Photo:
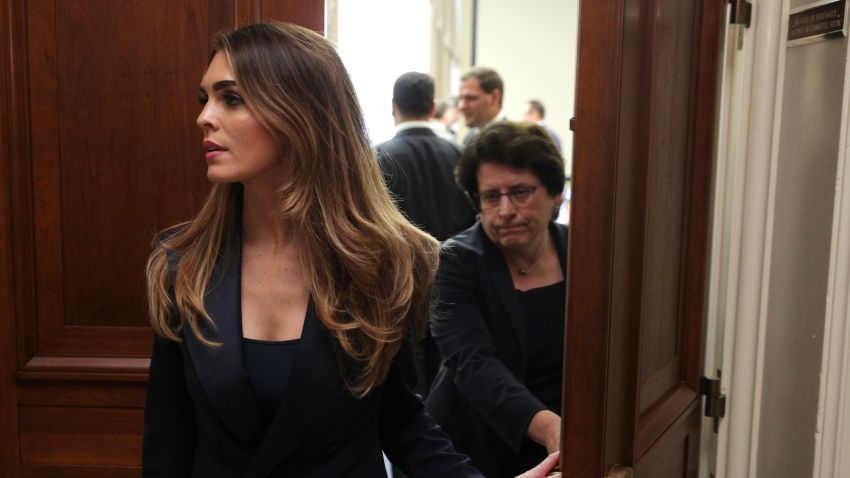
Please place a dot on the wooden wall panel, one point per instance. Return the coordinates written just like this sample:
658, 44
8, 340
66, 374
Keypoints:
42, 471
98, 151
310, 14
84, 423
117, 158
10, 142
677, 454
80, 420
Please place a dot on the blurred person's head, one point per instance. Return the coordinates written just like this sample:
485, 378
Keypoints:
480, 96
534, 111
447, 111
413, 97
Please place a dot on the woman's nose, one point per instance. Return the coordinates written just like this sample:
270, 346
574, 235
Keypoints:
206, 118
506, 207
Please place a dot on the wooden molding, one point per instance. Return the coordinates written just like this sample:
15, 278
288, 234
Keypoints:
54, 367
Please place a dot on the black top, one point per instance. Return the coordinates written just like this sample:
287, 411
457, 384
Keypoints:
544, 322
269, 365
543, 310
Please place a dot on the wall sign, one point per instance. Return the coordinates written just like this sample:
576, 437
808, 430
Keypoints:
817, 21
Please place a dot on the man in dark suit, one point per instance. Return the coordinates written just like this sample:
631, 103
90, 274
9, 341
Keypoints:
418, 168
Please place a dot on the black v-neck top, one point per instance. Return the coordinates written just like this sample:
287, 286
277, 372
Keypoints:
544, 309
269, 366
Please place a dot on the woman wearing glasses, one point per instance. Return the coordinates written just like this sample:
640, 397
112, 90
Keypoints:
501, 287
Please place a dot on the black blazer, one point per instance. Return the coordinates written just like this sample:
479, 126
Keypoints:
418, 168
203, 419
479, 396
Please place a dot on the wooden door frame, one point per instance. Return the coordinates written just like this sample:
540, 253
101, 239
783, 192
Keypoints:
11, 143
599, 402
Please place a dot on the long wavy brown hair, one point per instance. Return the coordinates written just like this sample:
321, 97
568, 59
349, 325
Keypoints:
368, 270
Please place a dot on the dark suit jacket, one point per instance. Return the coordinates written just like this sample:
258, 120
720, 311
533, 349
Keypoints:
418, 168
479, 396
203, 418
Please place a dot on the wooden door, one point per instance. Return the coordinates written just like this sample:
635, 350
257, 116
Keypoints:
98, 151
644, 144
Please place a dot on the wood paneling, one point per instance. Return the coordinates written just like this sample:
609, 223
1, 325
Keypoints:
104, 449
81, 423
42, 471
647, 90
79, 393
8, 396
676, 455
98, 151
116, 159
80, 420
310, 14
672, 53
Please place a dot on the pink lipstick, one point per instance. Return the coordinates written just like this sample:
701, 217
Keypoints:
212, 149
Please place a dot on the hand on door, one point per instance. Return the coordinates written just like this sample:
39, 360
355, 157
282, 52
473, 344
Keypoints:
545, 468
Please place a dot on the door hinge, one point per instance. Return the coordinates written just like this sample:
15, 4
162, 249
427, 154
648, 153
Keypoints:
741, 12
715, 402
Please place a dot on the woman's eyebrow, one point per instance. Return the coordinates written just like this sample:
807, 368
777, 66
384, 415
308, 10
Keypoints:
218, 85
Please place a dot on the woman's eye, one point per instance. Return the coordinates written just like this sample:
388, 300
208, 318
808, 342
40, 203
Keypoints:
490, 197
203, 100
232, 100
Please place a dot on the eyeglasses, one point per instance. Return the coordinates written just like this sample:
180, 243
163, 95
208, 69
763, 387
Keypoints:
518, 196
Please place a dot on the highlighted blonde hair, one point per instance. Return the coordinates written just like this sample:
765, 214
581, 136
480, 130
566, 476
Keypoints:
368, 270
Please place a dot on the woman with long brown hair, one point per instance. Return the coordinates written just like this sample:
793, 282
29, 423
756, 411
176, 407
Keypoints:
282, 308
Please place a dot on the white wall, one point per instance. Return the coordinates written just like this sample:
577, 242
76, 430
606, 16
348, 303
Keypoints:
799, 265
378, 41
532, 44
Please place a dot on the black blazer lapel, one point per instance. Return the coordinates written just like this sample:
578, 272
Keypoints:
220, 368
314, 382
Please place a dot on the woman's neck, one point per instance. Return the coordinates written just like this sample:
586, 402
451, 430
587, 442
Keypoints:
262, 224
535, 265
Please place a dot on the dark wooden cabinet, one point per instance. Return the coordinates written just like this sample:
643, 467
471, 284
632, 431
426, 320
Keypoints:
98, 151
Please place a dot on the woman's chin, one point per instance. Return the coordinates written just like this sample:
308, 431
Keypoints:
217, 177
512, 241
